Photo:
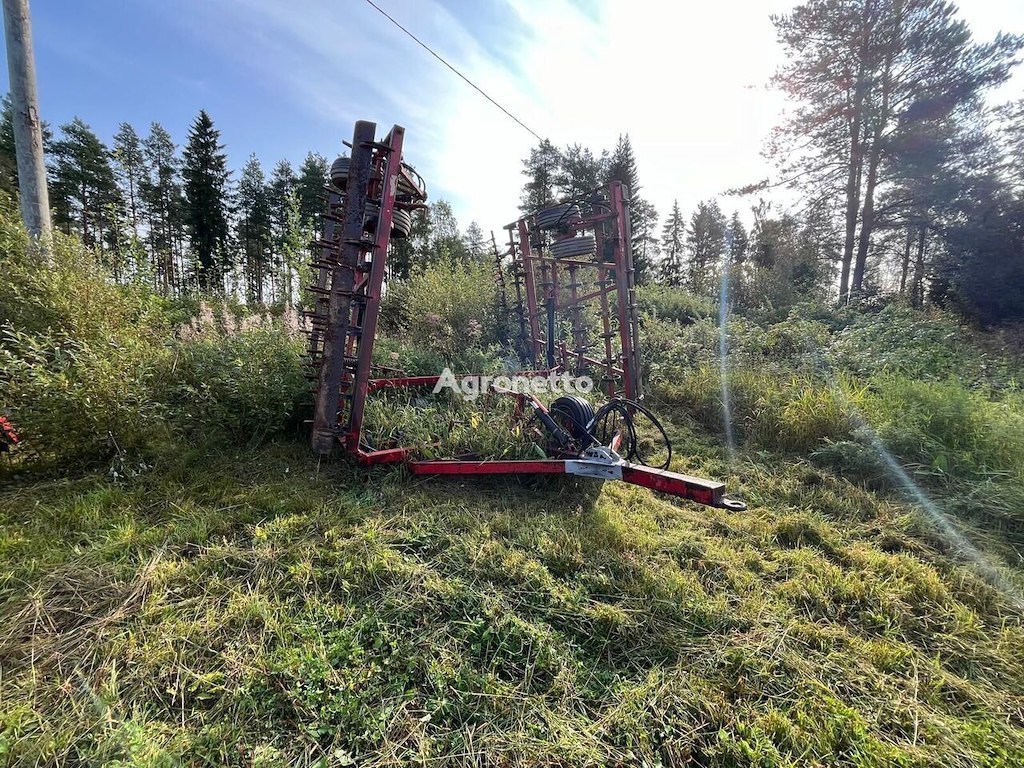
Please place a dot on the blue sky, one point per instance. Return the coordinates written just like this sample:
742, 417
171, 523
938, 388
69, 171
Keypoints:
281, 77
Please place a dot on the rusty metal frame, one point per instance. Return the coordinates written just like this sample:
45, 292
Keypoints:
349, 275
612, 300
347, 291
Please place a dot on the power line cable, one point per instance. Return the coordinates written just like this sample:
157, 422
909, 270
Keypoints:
437, 56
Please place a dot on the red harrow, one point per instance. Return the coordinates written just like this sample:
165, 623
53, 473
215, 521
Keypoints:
574, 297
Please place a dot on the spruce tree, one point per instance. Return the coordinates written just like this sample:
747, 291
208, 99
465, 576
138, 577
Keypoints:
280, 197
672, 236
281, 189
206, 188
310, 189
643, 217
737, 244
446, 241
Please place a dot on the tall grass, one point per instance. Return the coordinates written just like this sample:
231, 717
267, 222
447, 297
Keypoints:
94, 371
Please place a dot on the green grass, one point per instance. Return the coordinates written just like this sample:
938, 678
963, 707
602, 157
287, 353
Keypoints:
255, 609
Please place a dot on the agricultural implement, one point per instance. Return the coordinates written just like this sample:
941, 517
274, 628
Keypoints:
566, 278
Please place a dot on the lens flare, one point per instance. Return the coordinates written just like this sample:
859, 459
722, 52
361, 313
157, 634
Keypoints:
723, 357
963, 546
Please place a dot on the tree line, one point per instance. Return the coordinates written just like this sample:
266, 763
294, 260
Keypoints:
175, 217
908, 182
779, 259
891, 136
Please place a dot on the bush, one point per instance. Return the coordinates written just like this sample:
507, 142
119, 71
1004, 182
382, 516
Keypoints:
448, 307
900, 340
681, 306
244, 387
90, 369
78, 400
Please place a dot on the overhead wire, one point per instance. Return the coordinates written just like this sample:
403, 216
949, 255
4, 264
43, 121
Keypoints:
440, 58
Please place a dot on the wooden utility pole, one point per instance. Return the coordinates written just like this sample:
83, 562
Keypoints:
28, 133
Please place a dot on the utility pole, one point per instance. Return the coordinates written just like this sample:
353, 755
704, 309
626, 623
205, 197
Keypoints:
28, 133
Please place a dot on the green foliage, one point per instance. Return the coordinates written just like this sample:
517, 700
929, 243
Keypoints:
92, 369
84, 192
246, 386
843, 388
447, 307
667, 303
795, 413
255, 608
205, 175
77, 400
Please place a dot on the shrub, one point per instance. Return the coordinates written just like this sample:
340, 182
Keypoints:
665, 303
414, 359
90, 368
244, 386
78, 400
447, 307
900, 340
669, 350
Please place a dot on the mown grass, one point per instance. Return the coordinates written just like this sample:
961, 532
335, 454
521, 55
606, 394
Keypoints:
254, 609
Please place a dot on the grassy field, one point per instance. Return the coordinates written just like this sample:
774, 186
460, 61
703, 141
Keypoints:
255, 609
182, 584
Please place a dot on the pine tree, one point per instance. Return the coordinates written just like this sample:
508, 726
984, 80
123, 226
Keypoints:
161, 195
866, 76
310, 189
85, 193
705, 246
253, 228
579, 172
129, 162
672, 235
542, 169
8, 154
205, 171
643, 216
446, 242
475, 244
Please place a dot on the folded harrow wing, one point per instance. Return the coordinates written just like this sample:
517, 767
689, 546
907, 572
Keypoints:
572, 294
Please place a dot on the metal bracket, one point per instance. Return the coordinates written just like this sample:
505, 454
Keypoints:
599, 469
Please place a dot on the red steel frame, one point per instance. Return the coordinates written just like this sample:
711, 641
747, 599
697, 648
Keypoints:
613, 299
350, 270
